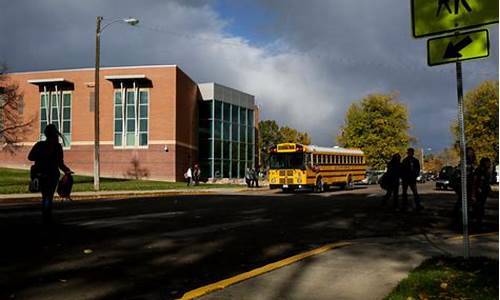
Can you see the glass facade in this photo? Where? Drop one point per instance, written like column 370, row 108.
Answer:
column 227, row 144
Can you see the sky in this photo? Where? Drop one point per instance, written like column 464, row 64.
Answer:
column 306, row 62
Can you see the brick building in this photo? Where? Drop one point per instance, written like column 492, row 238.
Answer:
column 155, row 115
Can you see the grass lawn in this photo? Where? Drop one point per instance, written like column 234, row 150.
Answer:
column 450, row 278
column 14, row 181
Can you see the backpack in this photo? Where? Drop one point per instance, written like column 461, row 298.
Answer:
column 65, row 185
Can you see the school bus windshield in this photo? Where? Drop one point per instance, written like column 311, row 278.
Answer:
column 287, row 161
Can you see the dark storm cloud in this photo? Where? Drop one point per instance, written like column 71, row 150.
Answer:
column 323, row 56
column 367, row 46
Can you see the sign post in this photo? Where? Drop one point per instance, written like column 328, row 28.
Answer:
column 463, row 160
column 435, row 17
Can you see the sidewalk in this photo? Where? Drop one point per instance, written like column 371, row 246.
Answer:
column 367, row 269
column 78, row 196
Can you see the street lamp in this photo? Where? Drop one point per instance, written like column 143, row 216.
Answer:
column 428, row 149
column 130, row 21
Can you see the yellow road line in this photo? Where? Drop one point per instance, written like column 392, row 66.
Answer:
column 459, row 237
column 259, row 271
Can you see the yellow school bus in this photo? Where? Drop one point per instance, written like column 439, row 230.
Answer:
column 294, row 166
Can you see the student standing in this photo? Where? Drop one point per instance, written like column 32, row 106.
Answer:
column 481, row 189
column 189, row 176
column 410, row 169
column 391, row 180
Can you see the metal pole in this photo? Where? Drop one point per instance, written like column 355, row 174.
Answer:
column 463, row 162
column 96, row 103
column 423, row 168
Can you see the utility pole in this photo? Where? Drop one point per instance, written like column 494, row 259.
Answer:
column 96, row 103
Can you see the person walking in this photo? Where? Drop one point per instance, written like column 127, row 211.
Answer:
column 410, row 169
column 196, row 174
column 189, row 176
column 256, row 176
column 481, row 189
column 248, row 177
column 391, row 180
column 49, row 159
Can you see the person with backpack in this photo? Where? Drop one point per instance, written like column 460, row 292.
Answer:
column 390, row 180
column 49, row 159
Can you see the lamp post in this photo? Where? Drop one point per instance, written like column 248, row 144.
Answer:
column 423, row 156
column 130, row 21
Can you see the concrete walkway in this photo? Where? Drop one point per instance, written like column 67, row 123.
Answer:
column 35, row 197
column 367, row 269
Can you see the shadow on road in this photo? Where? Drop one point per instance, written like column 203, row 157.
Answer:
column 161, row 248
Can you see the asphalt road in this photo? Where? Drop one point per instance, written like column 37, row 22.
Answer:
column 159, row 248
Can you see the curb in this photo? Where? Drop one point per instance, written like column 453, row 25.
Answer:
column 35, row 198
column 259, row 271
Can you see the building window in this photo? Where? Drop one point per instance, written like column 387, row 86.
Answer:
column 131, row 117
column 55, row 108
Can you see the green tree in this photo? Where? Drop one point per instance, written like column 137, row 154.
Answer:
column 481, row 120
column 290, row 135
column 378, row 124
column 270, row 134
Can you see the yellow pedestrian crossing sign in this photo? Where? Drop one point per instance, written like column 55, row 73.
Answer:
column 433, row 17
column 458, row 47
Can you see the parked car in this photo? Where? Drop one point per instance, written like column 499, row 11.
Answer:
column 443, row 181
column 424, row 177
column 372, row 176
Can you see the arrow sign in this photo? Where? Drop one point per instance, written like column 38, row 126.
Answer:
column 433, row 17
column 458, row 47
column 453, row 51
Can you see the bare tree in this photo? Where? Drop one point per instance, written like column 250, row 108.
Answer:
column 13, row 127
column 136, row 171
